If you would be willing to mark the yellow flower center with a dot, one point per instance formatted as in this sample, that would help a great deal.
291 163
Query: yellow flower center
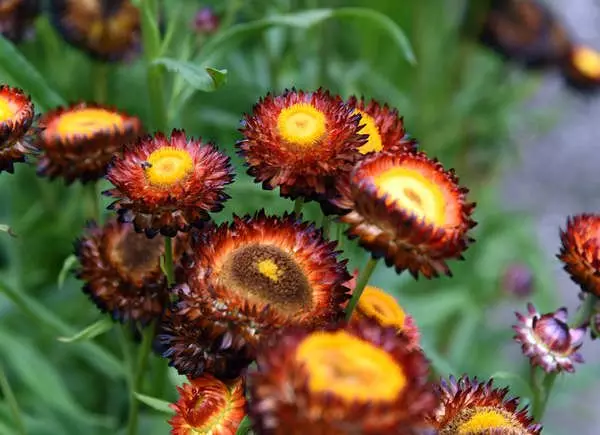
485 419
376 304
350 368
301 124
370 127
7 110
413 192
87 121
269 269
168 166
587 62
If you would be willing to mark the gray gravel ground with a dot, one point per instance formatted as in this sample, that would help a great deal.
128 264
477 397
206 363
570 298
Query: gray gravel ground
559 175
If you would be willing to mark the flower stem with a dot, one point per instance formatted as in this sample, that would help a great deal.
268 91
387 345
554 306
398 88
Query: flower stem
100 75
363 280
298 204
94 200
326 226
339 234
11 401
585 311
168 261
137 376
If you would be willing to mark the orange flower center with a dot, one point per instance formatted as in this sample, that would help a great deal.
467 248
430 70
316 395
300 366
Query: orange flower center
412 191
352 369
7 110
168 165
478 420
87 122
370 127
301 124
376 304
587 62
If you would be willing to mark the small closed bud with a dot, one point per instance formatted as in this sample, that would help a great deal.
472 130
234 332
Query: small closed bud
206 21
518 281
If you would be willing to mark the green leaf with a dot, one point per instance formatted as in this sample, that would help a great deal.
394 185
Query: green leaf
150 31
26 76
67 266
43 380
95 329
304 20
204 79
91 352
244 427
513 377
154 403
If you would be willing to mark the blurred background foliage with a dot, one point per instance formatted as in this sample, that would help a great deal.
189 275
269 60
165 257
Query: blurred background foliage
460 101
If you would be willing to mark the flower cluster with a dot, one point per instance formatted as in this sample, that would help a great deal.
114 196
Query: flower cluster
333 354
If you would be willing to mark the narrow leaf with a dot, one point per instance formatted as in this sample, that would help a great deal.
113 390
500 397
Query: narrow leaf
508 376
26 76
67 266
87 350
304 20
244 427
94 330
11 401
204 79
154 403
8 230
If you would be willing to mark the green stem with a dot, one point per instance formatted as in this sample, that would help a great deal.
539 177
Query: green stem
585 311
168 261
298 204
326 226
542 388
100 75
363 280
157 97
339 229
94 199
11 400
137 376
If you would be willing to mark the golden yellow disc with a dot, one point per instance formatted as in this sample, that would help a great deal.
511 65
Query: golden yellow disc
301 124
168 166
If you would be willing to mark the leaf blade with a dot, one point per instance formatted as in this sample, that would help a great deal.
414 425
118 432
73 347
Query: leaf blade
154 403
205 79
94 330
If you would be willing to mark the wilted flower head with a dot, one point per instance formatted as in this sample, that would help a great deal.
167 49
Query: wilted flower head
361 378
105 29
16 118
381 307
409 210
526 32
16 18
78 142
246 280
208 406
580 251
121 271
469 407
299 142
168 185
548 341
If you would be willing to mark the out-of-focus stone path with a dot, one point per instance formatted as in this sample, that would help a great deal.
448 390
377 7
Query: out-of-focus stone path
559 175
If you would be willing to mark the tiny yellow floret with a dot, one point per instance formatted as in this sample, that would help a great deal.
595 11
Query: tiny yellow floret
412 191
587 62
381 306
7 111
269 269
370 127
87 121
350 368
168 166
301 124
485 419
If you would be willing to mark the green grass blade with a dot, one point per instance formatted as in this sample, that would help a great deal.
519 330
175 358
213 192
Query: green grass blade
11 400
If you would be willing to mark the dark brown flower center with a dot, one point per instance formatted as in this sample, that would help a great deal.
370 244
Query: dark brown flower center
137 254
269 274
